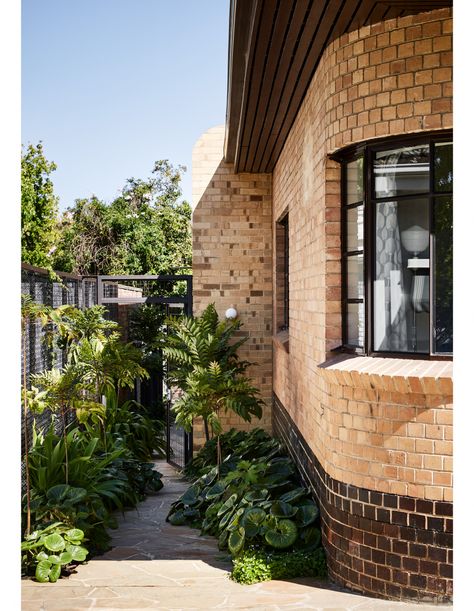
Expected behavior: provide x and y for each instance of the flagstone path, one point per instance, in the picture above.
(154, 565)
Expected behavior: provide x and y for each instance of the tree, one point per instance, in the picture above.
(209, 372)
(38, 207)
(144, 230)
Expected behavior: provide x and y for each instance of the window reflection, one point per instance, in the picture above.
(402, 171)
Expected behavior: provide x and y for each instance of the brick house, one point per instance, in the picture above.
(323, 213)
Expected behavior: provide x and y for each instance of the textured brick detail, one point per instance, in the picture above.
(388, 430)
(232, 264)
(375, 543)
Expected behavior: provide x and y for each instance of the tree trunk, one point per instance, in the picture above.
(206, 429)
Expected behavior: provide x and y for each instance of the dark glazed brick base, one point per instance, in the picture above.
(390, 546)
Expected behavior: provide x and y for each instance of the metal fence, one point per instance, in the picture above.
(35, 354)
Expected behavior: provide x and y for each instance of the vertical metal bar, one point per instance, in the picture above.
(100, 290)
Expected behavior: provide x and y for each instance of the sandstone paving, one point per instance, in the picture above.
(153, 565)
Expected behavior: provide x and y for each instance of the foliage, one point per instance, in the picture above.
(30, 310)
(80, 476)
(146, 332)
(253, 504)
(254, 566)
(145, 230)
(50, 550)
(209, 371)
(141, 435)
(247, 445)
(38, 207)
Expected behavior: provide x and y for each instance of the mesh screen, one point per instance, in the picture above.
(36, 356)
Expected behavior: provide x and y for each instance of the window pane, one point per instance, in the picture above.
(355, 324)
(355, 228)
(402, 171)
(443, 277)
(401, 285)
(443, 166)
(355, 277)
(355, 181)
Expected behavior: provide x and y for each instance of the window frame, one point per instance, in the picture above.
(284, 274)
(367, 151)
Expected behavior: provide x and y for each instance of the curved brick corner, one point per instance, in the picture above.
(387, 545)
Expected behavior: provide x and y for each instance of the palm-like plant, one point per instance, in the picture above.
(209, 371)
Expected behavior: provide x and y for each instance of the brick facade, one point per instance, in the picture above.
(232, 263)
(377, 425)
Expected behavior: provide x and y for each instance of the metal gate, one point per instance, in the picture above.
(173, 294)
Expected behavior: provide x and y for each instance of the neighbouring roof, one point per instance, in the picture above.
(274, 50)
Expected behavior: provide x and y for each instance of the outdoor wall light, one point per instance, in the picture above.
(231, 313)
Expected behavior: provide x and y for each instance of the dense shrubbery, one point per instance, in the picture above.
(255, 504)
(77, 478)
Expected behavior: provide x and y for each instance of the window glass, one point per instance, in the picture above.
(443, 166)
(443, 298)
(402, 171)
(401, 283)
(355, 324)
(355, 277)
(355, 181)
(355, 228)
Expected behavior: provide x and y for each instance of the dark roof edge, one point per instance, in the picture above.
(239, 28)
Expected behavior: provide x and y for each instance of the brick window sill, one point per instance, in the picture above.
(282, 339)
(391, 374)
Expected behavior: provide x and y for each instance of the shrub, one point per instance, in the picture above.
(257, 507)
(254, 566)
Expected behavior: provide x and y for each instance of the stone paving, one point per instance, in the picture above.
(154, 565)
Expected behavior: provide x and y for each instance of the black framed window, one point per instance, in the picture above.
(397, 246)
(282, 274)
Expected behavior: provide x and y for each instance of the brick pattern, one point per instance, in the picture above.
(392, 546)
(381, 431)
(232, 236)
(386, 431)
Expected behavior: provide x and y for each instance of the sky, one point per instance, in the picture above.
(111, 86)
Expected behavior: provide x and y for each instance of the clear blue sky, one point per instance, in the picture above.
(110, 86)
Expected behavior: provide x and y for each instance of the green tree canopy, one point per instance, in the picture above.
(144, 230)
(38, 207)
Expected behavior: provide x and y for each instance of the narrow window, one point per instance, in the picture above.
(353, 255)
(282, 275)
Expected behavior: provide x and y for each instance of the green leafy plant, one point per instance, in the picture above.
(254, 566)
(255, 501)
(145, 230)
(209, 372)
(50, 550)
(30, 311)
(38, 207)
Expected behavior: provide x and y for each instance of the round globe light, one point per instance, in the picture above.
(231, 313)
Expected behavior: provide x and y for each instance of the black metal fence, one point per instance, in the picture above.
(120, 295)
(36, 356)
(172, 295)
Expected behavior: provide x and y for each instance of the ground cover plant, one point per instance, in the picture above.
(257, 508)
(78, 474)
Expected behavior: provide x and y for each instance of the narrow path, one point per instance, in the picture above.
(154, 565)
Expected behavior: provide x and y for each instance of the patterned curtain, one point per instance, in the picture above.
(391, 314)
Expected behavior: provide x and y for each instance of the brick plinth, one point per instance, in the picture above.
(392, 546)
